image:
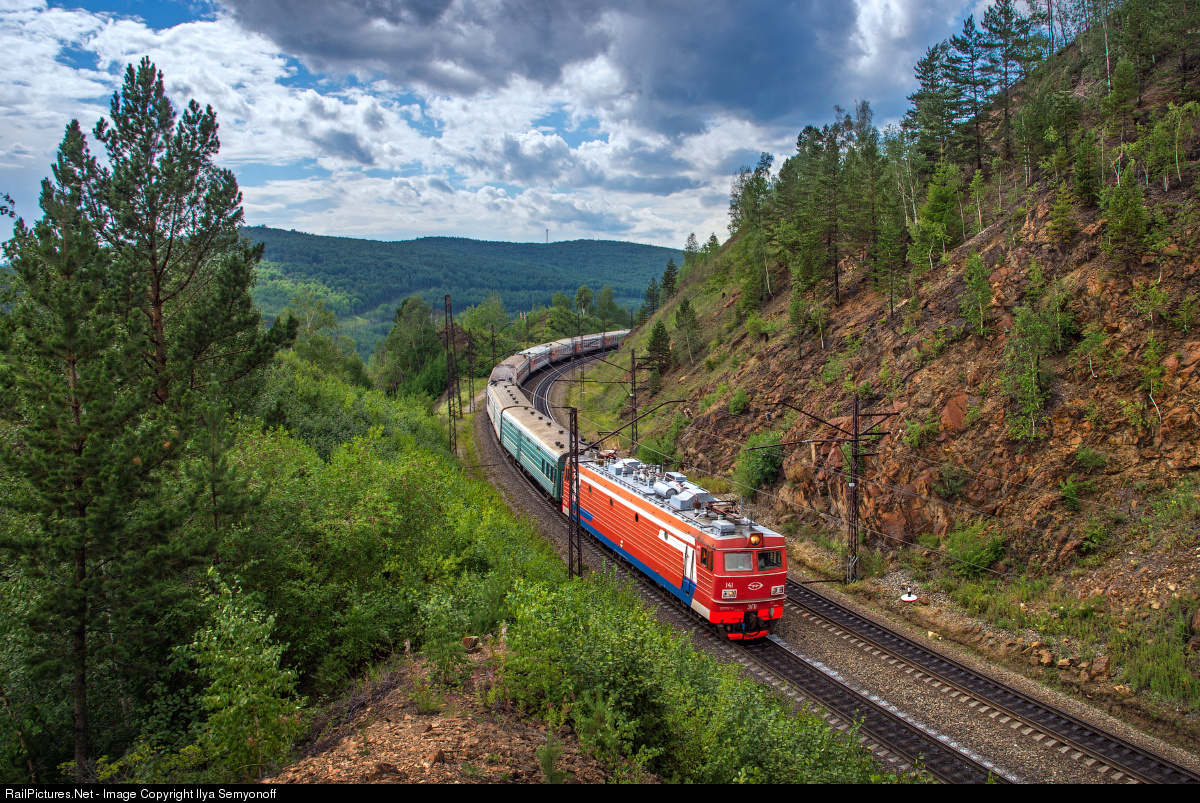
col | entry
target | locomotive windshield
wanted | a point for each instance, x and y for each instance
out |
(770, 560)
(739, 561)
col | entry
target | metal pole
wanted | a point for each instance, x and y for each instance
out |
(574, 531)
(852, 512)
(633, 393)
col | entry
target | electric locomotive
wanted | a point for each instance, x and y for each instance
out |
(719, 563)
(722, 565)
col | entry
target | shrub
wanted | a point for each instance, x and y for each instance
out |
(1090, 460)
(739, 402)
(918, 433)
(950, 486)
(973, 551)
(1072, 489)
(758, 467)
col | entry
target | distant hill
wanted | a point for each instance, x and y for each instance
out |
(369, 273)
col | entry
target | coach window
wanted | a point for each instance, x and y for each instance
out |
(739, 561)
(635, 517)
(610, 501)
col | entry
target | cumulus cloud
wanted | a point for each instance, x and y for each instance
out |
(485, 118)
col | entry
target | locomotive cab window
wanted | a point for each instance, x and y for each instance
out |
(705, 557)
(770, 560)
(739, 561)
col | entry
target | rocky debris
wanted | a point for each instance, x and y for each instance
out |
(391, 741)
(470, 643)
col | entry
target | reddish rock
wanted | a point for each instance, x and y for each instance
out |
(1191, 353)
(954, 414)
(1195, 623)
(1100, 668)
(1045, 658)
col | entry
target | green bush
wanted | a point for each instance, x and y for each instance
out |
(739, 402)
(951, 482)
(674, 709)
(1072, 489)
(972, 551)
(918, 433)
(1090, 460)
(758, 467)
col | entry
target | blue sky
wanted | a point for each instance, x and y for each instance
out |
(493, 119)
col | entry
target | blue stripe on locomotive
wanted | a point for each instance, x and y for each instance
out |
(544, 467)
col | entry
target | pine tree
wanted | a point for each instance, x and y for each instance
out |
(1121, 99)
(1007, 32)
(1127, 219)
(978, 292)
(669, 277)
(968, 64)
(687, 328)
(691, 253)
(1062, 226)
(653, 297)
(174, 219)
(936, 104)
(1087, 185)
(85, 455)
(659, 347)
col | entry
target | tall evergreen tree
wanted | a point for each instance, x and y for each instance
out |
(1007, 31)
(968, 62)
(653, 297)
(669, 278)
(936, 105)
(691, 252)
(687, 328)
(659, 347)
(86, 455)
(173, 218)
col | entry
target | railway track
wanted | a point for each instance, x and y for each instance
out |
(1053, 728)
(892, 738)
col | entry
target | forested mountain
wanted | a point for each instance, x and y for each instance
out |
(369, 273)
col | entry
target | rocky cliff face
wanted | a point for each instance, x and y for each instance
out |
(924, 365)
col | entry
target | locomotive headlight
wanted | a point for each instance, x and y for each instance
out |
(729, 593)
(776, 591)
(755, 539)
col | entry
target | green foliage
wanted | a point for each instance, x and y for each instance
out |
(253, 713)
(757, 467)
(1090, 460)
(950, 483)
(1128, 222)
(687, 328)
(1152, 368)
(667, 707)
(938, 222)
(739, 402)
(1094, 350)
(890, 380)
(978, 294)
(918, 433)
(368, 274)
(1062, 226)
(659, 347)
(972, 551)
(1186, 313)
(1072, 489)
(1150, 299)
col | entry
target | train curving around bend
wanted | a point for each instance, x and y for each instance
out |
(725, 567)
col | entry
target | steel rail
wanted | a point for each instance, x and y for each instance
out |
(946, 763)
(1104, 747)
(889, 730)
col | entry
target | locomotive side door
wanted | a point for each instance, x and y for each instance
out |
(689, 568)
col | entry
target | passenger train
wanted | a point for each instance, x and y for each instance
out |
(725, 567)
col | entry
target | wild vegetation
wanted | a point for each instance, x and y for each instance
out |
(1011, 271)
(210, 527)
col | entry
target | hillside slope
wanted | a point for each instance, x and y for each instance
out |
(1074, 522)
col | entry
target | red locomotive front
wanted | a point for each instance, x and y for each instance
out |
(729, 569)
